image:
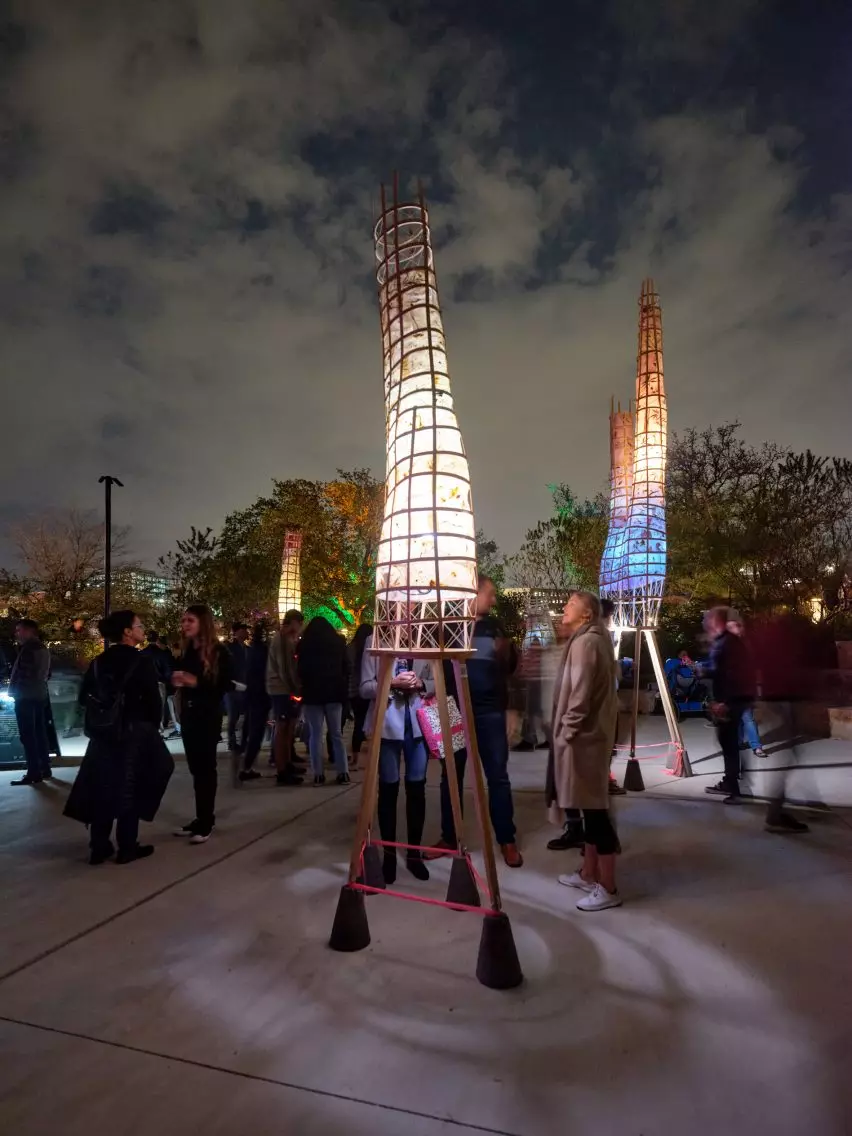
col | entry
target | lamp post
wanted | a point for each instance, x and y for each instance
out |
(108, 483)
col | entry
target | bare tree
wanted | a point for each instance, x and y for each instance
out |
(63, 551)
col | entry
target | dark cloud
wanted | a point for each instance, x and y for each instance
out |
(186, 290)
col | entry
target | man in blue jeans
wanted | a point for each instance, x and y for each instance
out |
(488, 674)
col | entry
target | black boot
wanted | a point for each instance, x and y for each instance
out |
(415, 818)
(388, 797)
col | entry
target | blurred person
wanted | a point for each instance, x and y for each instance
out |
(257, 703)
(235, 700)
(787, 669)
(749, 733)
(283, 688)
(533, 724)
(203, 677)
(584, 722)
(323, 669)
(731, 671)
(488, 670)
(163, 665)
(402, 738)
(607, 617)
(28, 687)
(127, 767)
(358, 705)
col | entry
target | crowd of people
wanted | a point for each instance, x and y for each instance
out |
(305, 680)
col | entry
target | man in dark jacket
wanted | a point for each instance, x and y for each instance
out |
(732, 671)
(28, 687)
(488, 672)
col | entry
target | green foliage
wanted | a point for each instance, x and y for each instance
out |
(564, 551)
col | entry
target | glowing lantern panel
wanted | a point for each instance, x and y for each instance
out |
(426, 562)
(290, 585)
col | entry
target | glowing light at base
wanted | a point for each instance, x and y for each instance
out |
(290, 584)
(426, 561)
(633, 568)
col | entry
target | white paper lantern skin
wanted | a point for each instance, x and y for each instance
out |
(426, 563)
(633, 569)
(290, 585)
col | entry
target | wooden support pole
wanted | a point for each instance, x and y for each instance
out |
(449, 754)
(370, 784)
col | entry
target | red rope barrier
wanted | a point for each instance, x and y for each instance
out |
(423, 899)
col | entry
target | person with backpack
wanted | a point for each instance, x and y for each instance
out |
(203, 677)
(127, 766)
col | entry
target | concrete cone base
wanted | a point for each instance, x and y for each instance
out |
(497, 966)
(373, 868)
(351, 931)
(633, 781)
(462, 887)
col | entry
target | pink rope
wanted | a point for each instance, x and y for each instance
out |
(415, 847)
(423, 899)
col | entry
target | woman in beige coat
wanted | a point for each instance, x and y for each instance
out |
(584, 719)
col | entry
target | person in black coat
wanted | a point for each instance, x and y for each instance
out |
(733, 674)
(123, 777)
(323, 666)
(257, 701)
(203, 676)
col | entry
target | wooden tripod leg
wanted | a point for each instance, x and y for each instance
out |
(480, 794)
(449, 755)
(634, 722)
(371, 775)
(666, 699)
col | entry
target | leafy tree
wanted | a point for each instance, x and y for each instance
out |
(564, 551)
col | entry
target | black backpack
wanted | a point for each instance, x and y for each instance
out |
(104, 713)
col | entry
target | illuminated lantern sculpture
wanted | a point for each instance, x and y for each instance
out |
(426, 579)
(290, 584)
(426, 562)
(633, 567)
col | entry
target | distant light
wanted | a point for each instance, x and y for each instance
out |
(5, 697)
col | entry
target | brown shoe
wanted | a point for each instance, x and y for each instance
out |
(512, 855)
(442, 848)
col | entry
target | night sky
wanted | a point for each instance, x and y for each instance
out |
(186, 198)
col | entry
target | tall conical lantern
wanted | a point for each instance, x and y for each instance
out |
(290, 584)
(613, 564)
(426, 562)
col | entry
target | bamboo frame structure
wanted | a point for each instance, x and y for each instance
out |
(290, 584)
(633, 567)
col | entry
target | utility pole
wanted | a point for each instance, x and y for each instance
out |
(108, 483)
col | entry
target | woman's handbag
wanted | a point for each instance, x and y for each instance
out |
(429, 720)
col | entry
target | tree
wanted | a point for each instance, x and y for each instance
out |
(564, 551)
(760, 527)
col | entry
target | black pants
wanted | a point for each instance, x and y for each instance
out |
(257, 716)
(728, 733)
(126, 833)
(360, 706)
(598, 831)
(236, 706)
(31, 716)
(200, 738)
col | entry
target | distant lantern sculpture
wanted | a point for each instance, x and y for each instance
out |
(426, 579)
(290, 584)
(633, 567)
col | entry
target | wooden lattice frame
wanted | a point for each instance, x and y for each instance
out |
(426, 560)
(290, 584)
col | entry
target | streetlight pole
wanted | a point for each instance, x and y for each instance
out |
(108, 483)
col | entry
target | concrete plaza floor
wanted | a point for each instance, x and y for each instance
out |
(194, 992)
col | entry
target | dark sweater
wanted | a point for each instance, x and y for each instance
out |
(323, 671)
(205, 699)
(489, 670)
(30, 672)
(732, 668)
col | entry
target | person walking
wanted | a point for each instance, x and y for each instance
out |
(282, 686)
(323, 668)
(163, 664)
(583, 727)
(358, 705)
(203, 677)
(127, 766)
(235, 700)
(402, 738)
(256, 700)
(28, 687)
(489, 668)
(749, 733)
(731, 670)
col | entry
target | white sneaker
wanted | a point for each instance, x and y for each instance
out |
(201, 837)
(575, 880)
(599, 899)
(185, 829)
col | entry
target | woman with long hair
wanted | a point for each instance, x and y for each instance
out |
(324, 679)
(203, 677)
(127, 766)
(359, 705)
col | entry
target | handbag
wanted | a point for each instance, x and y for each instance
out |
(429, 720)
